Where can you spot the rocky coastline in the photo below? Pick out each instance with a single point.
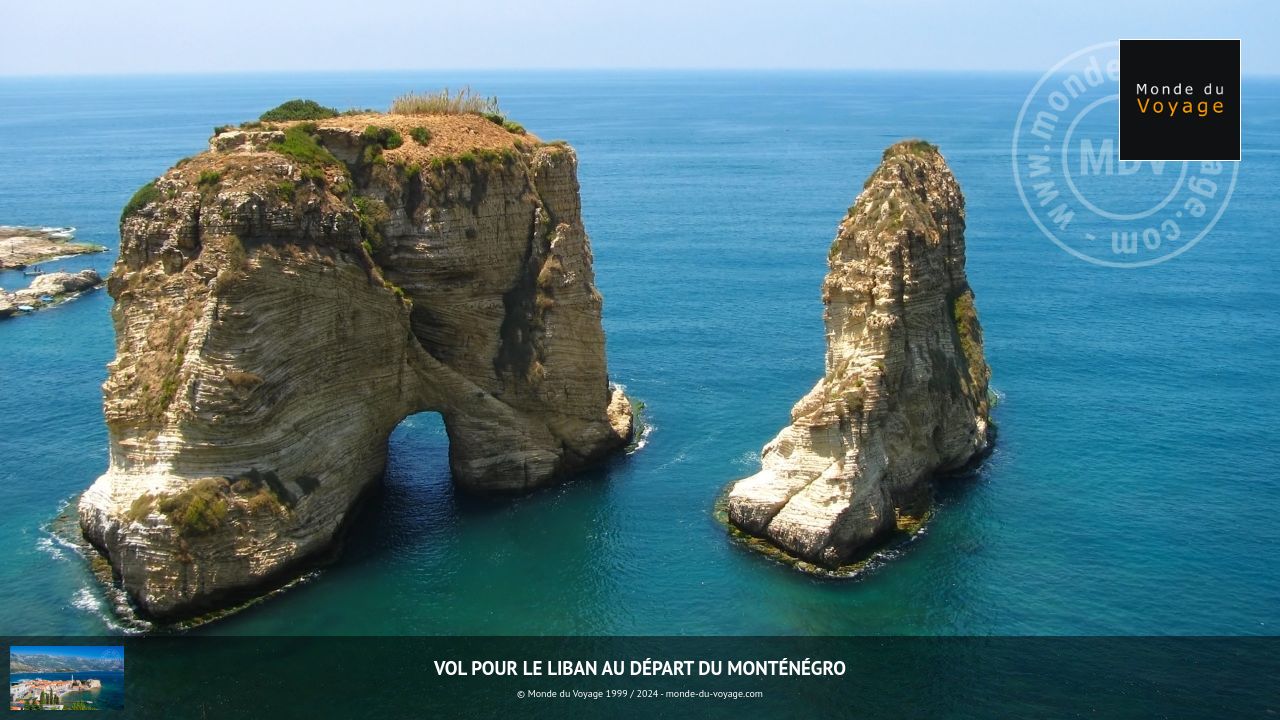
(47, 289)
(21, 247)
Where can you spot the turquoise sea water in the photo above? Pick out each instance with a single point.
(109, 697)
(1133, 490)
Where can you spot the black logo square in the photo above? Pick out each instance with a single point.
(1179, 99)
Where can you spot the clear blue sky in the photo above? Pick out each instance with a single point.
(174, 36)
(99, 652)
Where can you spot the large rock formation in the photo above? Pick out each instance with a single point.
(904, 396)
(284, 300)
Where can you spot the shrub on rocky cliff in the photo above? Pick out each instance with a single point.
(199, 509)
(379, 139)
(285, 190)
(301, 145)
(372, 213)
(509, 125)
(141, 507)
(967, 329)
(298, 110)
(409, 170)
(420, 135)
(143, 197)
(209, 178)
(388, 138)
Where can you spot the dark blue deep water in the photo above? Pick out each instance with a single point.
(1133, 491)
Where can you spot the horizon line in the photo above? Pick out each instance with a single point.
(539, 70)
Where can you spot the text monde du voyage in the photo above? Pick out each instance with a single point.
(1179, 99)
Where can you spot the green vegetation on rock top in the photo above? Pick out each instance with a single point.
(300, 144)
(915, 147)
(508, 125)
(298, 110)
(388, 138)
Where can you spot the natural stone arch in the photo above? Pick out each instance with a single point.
(275, 324)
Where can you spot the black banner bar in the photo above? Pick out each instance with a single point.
(196, 676)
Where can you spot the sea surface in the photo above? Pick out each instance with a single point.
(109, 697)
(1133, 490)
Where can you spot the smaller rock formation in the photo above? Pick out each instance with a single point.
(904, 396)
(23, 246)
(47, 289)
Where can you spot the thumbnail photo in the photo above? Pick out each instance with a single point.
(66, 677)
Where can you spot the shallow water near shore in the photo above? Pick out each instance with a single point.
(1131, 491)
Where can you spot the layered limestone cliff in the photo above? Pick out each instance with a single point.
(904, 396)
(284, 300)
